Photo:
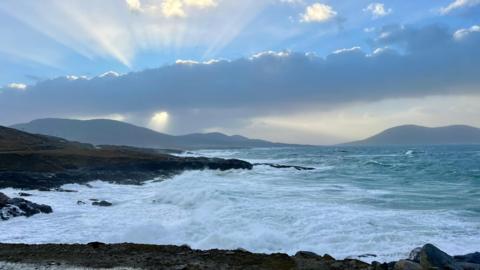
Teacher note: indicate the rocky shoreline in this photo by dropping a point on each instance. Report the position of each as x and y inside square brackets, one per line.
[31, 161]
[136, 256]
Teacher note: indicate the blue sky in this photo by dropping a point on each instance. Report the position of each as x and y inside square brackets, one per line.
[44, 40]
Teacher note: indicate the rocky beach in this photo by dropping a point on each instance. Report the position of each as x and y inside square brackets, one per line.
[97, 255]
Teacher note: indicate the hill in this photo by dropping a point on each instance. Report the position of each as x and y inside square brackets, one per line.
[110, 132]
[30, 161]
[419, 135]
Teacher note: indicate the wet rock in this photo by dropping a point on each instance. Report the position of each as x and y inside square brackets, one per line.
[3, 199]
[23, 194]
[470, 258]
[407, 265]
[432, 257]
[102, 203]
[469, 266]
[380, 266]
[81, 203]
[278, 166]
[15, 207]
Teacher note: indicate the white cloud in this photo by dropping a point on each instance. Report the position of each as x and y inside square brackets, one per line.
[74, 77]
[457, 4]
[318, 13]
[109, 74]
[17, 86]
[462, 33]
[173, 8]
[200, 3]
[134, 5]
[353, 49]
[378, 10]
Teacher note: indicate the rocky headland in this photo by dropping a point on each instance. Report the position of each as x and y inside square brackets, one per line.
[31, 161]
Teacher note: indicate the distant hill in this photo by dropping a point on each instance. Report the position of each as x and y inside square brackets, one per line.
[110, 132]
[418, 135]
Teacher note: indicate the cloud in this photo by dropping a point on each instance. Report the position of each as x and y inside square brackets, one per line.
[377, 10]
[458, 4]
[462, 33]
[201, 3]
[318, 13]
[17, 86]
[134, 5]
[200, 95]
[173, 8]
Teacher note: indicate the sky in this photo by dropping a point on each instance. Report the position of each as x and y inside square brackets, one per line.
[297, 71]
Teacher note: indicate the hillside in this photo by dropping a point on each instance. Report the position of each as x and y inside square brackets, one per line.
[418, 135]
[110, 132]
[31, 161]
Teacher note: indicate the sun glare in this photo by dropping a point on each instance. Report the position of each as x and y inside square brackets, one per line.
[159, 121]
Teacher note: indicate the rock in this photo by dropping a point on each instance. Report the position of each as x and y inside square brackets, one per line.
[469, 266]
[415, 254]
[432, 257]
[15, 207]
[367, 255]
[3, 199]
[327, 257]
[23, 194]
[278, 166]
[307, 254]
[407, 265]
[81, 203]
[102, 203]
[470, 258]
[380, 266]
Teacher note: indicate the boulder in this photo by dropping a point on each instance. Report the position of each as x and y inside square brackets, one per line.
[432, 257]
[102, 203]
[407, 265]
[3, 199]
[469, 266]
[469, 258]
[14, 207]
[23, 194]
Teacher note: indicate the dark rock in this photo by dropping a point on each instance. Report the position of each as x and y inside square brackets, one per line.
[469, 266]
[96, 244]
[23, 194]
[102, 203]
[14, 207]
[327, 257]
[94, 200]
[81, 203]
[380, 266]
[368, 255]
[470, 258]
[278, 166]
[407, 265]
[3, 199]
[308, 254]
[432, 257]
[65, 190]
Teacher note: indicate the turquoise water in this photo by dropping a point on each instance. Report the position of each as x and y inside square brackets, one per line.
[382, 201]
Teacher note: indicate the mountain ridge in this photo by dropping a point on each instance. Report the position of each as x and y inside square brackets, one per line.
[112, 132]
[418, 135]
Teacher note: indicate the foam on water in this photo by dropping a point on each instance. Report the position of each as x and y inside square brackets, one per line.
[265, 210]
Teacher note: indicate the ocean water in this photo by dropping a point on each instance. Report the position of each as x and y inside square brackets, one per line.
[366, 200]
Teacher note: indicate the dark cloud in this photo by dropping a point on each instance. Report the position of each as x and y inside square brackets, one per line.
[420, 62]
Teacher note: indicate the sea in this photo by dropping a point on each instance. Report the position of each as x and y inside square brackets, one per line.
[373, 203]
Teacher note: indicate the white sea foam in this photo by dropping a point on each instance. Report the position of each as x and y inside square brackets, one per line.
[264, 210]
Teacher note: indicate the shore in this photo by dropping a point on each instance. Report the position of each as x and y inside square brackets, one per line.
[136, 256]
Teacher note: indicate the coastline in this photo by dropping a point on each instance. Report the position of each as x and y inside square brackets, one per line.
[98, 255]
